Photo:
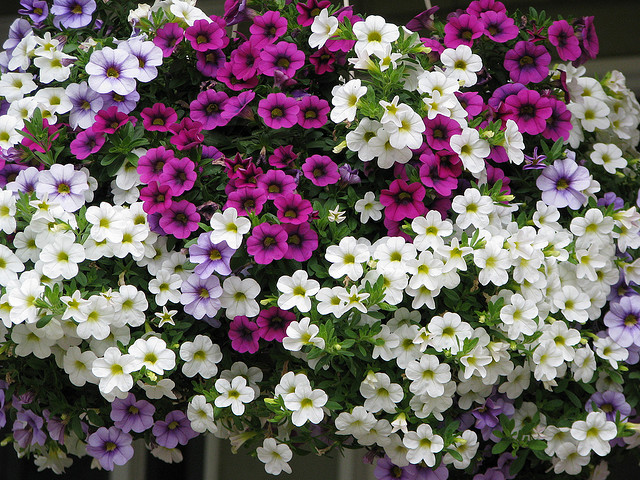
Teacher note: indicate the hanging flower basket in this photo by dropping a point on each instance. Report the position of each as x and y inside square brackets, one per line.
[306, 229]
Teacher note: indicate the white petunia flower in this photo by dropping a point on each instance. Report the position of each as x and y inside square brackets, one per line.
[228, 227]
[275, 455]
[234, 393]
[200, 414]
[322, 28]
[381, 394]
[345, 100]
[461, 64]
[296, 291]
[302, 333]
[306, 404]
[347, 258]
[238, 297]
[423, 444]
[594, 433]
[153, 354]
[200, 357]
[369, 208]
[77, 364]
[114, 370]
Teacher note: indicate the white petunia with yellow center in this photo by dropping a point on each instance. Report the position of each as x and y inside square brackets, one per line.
[322, 28]
[275, 456]
[200, 414]
[345, 100]
[374, 33]
[306, 404]
[234, 393]
[200, 356]
[114, 370]
[423, 445]
[302, 333]
[594, 434]
[238, 297]
[228, 227]
[380, 393]
[153, 354]
[296, 291]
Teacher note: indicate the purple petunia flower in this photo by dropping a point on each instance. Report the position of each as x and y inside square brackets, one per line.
[440, 130]
[86, 103]
[72, 13]
[279, 111]
[434, 177]
[201, 296]
[208, 63]
[37, 10]
[19, 29]
[348, 175]
[187, 134]
[562, 184]
[559, 123]
[180, 220]
[27, 429]
[149, 57]
[283, 157]
[387, 470]
[123, 103]
[267, 243]
[128, 414]
[210, 257]
[276, 183]
[235, 11]
[174, 430]
[321, 170]
[527, 62]
[110, 447]
[610, 402]
[244, 59]
[64, 185]
[623, 321]
[25, 182]
[244, 335]
[112, 70]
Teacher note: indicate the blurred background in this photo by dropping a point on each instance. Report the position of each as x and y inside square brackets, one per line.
[616, 23]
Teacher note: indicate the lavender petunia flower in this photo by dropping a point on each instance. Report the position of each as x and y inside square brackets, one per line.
[128, 414]
[37, 10]
[19, 29]
[562, 184]
[610, 402]
[201, 297]
[85, 102]
[112, 71]
[210, 257]
[63, 184]
[173, 430]
[72, 13]
[110, 447]
[25, 182]
[149, 57]
[623, 320]
[27, 429]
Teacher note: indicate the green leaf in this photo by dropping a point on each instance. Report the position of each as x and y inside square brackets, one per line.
[501, 446]
[537, 445]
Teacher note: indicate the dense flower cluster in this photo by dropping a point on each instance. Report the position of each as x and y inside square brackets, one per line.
[305, 229]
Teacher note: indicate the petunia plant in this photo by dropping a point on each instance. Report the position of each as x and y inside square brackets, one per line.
[306, 229]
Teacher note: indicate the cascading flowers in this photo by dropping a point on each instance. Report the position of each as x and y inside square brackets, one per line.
[306, 229]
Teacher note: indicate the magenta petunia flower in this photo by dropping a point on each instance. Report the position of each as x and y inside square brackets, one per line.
[180, 220]
[244, 335]
[174, 430]
[267, 28]
[462, 30]
[439, 131]
[208, 63]
[232, 166]
[267, 243]
[527, 62]
[302, 241]
[323, 60]
[471, 101]
[187, 134]
[87, 143]
[314, 111]
[244, 59]
[150, 165]
[403, 200]
[478, 7]
[246, 199]
[283, 57]
[279, 111]
[248, 177]
[158, 118]
[292, 208]
[562, 36]
[562, 184]
[168, 37]
[110, 447]
[210, 257]
[387, 470]
[111, 120]
[130, 414]
[432, 177]
[309, 10]
[227, 75]
[238, 106]
[273, 323]
[529, 110]
[112, 71]
[589, 38]
[321, 170]
[559, 123]
[498, 26]
[156, 197]
[276, 183]
[72, 13]
[501, 93]
[283, 157]
[205, 35]
[207, 109]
